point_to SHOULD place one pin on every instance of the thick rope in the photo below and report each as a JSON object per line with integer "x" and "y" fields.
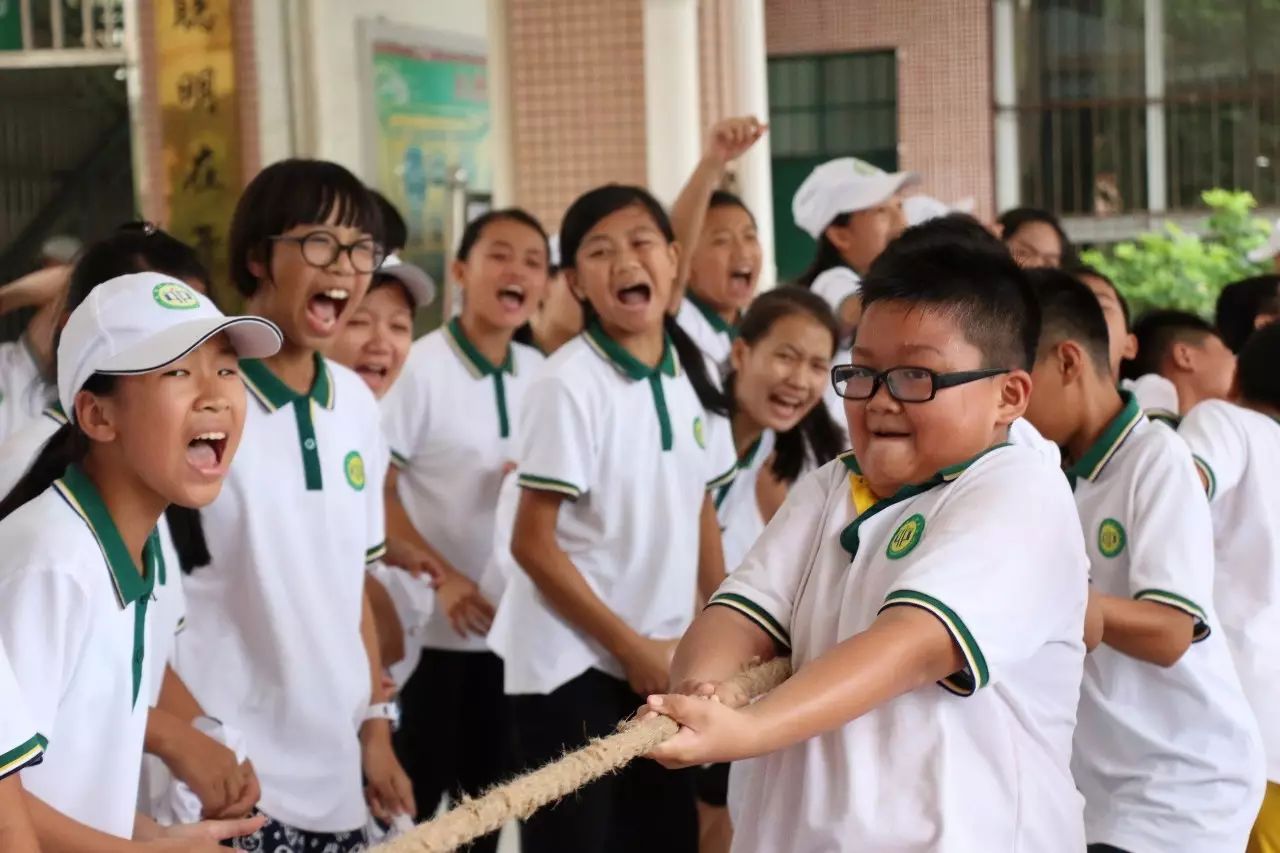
{"x": 525, "y": 794}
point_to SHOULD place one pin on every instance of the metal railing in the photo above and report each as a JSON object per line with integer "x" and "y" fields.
{"x": 68, "y": 33}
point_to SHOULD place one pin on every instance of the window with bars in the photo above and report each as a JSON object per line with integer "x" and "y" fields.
{"x": 1091, "y": 105}
{"x": 821, "y": 107}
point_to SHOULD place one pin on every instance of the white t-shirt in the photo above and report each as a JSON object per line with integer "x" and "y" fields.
{"x": 709, "y": 331}
{"x": 272, "y": 645}
{"x": 836, "y": 286}
{"x": 23, "y": 392}
{"x": 1238, "y": 450}
{"x": 1157, "y": 397}
{"x": 979, "y": 761}
{"x": 73, "y": 612}
{"x": 451, "y": 419}
{"x": 635, "y": 453}
{"x": 1024, "y": 434}
{"x": 20, "y": 744}
{"x": 1167, "y": 758}
{"x": 737, "y": 507}
{"x": 167, "y": 612}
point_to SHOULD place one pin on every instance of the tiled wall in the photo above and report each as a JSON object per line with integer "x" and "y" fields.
{"x": 944, "y": 78}
{"x": 577, "y": 99}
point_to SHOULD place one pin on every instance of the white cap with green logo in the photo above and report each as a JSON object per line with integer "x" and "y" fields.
{"x": 141, "y": 322}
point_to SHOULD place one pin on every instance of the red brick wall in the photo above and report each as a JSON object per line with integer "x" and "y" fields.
{"x": 945, "y": 117}
{"x": 577, "y": 99}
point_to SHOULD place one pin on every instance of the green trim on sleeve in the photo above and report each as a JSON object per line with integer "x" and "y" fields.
{"x": 755, "y": 613}
{"x": 977, "y": 676}
{"x": 548, "y": 484}
{"x": 377, "y": 552}
{"x": 723, "y": 481}
{"x": 1211, "y": 481}
{"x": 26, "y": 754}
{"x": 399, "y": 460}
{"x": 1186, "y": 605}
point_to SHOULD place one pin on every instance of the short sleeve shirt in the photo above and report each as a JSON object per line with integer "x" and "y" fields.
{"x": 73, "y": 612}
{"x": 1238, "y": 452}
{"x": 272, "y": 642}
{"x": 1147, "y": 785}
{"x": 20, "y": 744}
{"x": 451, "y": 420}
{"x": 635, "y": 452}
{"x": 23, "y": 392}
{"x": 992, "y": 549}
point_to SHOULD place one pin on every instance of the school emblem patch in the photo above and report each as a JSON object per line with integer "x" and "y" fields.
{"x": 700, "y": 432}
{"x": 353, "y": 466}
{"x": 176, "y": 296}
{"x": 906, "y": 537}
{"x": 1111, "y": 537}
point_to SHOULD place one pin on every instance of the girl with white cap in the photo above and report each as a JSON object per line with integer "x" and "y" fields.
{"x": 149, "y": 380}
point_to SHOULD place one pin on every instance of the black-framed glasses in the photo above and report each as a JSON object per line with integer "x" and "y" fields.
{"x": 905, "y": 384}
{"x": 321, "y": 249}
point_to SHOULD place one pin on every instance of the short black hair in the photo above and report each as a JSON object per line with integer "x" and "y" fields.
{"x": 134, "y": 247}
{"x": 471, "y": 234}
{"x": 1082, "y": 270}
{"x": 1069, "y": 311}
{"x": 395, "y": 232}
{"x": 1159, "y": 330}
{"x": 1239, "y": 305}
{"x": 1012, "y": 220}
{"x": 291, "y": 193}
{"x": 724, "y": 198}
{"x": 1256, "y": 368}
{"x": 956, "y": 267}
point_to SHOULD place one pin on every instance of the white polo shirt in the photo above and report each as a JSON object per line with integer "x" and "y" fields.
{"x": 1024, "y": 434}
{"x": 708, "y": 330}
{"x": 23, "y": 392}
{"x": 1157, "y": 397}
{"x": 450, "y": 420}
{"x": 167, "y": 613}
{"x": 979, "y": 761}
{"x": 272, "y": 645}
{"x": 635, "y": 453}
{"x": 20, "y": 744}
{"x": 737, "y": 507}
{"x": 1167, "y": 758}
{"x": 73, "y": 613}
{"x": 1238, "y": 450}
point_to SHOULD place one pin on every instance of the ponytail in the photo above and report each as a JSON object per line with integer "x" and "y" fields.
{"x": 187, "y": 534}
{"x": 66, "y": 447}
{"x": 694, "y": 363}
{"x": 827, "y": 256}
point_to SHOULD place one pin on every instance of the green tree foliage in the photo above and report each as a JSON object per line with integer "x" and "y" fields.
{"x": 1173, "y": 268}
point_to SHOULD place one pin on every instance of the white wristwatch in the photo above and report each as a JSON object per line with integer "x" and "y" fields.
{"x": 384, "y": 711}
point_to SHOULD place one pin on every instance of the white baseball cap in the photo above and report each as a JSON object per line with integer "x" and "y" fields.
{"x": 1269, "y": 249}
{"x": 142, "y": 322}
{"x": 921, "y": 208}
{"x": 421, "y": 286}
{"x": 843, "y": 185}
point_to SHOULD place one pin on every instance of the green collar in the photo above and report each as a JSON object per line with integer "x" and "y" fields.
{"x": 81, "y": 495}
{"x": 273, "y": 394}
{"x": 476, "y": 363}
{"x": 1100, "y": 453}
{"x": 626, "y": 363}
{"x": 55, "y": 414}
{"x": 849, "y": 536}
{"x": 712, "y": 316}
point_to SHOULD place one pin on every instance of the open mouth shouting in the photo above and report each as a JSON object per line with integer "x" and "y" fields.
{"x": 787, "y": 406}
{"x": 206, "y": 450}
{"x": 511, "y": 296}
{"x": 635, "y": 296}
{"x": 374, "y": 373}
{"x": 741, "y": 281}
{"x": 325, "y": 308}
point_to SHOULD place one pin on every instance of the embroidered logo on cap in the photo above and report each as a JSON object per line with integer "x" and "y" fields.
{"x": 906, "y": 537}
{"x": 1111, "y": 537}
{"x": 179, "y": 297}
{"x": 353, "y": 466}
{"x": 699, "y": 433}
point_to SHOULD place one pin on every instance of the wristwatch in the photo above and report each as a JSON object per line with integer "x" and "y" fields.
{"x": 384, "y": 711}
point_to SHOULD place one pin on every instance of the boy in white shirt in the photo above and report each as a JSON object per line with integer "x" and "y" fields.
{"x": 1183, "y": 355}
{"x": 937, "y": 674}
{"x": 1237, "y": 450}
{"x": 1167, "y": 752}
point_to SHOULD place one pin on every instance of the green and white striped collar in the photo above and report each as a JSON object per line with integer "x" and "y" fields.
{"x": 271, "y": 391}
{"x": 626, "y": 363}
{"x": 477, "y": 365}
{"x": 1102, "y": 450}
{"x": 712, "y": 316}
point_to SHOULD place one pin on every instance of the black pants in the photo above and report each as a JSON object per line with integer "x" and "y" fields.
{"x": 644, "y": 807}
{"x": 455, "y": 730}
{"x": 282, "y": 838}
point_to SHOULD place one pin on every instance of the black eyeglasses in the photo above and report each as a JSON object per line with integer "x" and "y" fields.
{"x": 905, "y": 384}
{"x": 321, "y": 249}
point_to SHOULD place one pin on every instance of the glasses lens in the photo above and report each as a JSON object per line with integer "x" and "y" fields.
{"x": 319, "y": 250}
{"x": 366, "y": 256}
{"x": 910, "y": 384}
{"x": 855, "y": 383}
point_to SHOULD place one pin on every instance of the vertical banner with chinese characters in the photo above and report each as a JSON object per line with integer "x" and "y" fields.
{"x": 200, "y": 128}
